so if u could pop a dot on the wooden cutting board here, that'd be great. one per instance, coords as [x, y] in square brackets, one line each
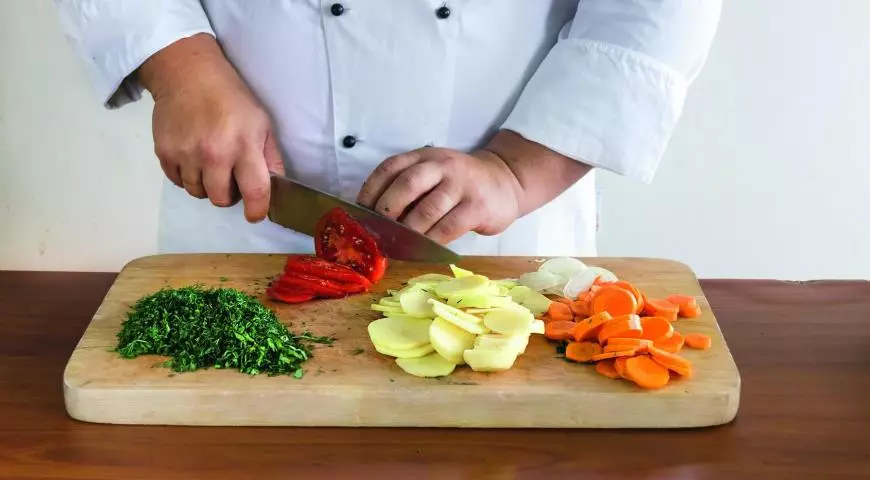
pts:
[349, 384]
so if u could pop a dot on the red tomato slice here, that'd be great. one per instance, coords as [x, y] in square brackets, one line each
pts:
[341, 239]
[320, 286]
[288, 295]
[321, 268]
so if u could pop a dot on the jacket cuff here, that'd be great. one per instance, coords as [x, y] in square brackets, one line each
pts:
[601, 104]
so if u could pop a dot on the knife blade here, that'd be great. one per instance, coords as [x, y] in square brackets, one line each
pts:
[298, 207]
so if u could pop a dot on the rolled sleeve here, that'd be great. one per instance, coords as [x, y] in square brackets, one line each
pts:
[114, 37]
[612, 89]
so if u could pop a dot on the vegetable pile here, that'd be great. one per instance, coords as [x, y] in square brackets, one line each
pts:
[348, 261]
[202, 327]
[438, 322]
[603, 320]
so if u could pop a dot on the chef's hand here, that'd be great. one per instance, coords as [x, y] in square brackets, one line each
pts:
[445, 193]
[211, 135]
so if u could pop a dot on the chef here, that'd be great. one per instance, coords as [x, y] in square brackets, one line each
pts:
[480, 123]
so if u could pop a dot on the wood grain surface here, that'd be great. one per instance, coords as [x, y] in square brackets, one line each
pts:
[802, 349]
[346, 387]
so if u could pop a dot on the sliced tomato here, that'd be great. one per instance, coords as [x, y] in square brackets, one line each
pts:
[320, 286]
[341, 239]
[287, 294]
[321, 268]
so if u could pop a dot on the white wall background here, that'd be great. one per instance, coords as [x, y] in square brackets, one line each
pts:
[766, 176]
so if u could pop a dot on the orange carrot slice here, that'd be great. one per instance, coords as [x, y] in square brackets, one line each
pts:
[625, 326]
[614, 300]
[656, 328]
[619, 365]
[671, 345]
[671, 361]
[606, 368]
[582, 351]
[559, 312]
[634, 291]
[588, 329]
[642, 348]
[625, 353]
[559, 329]
[660, 308]
[631, 342]
[646, 373]
[580, 308]
[699, 341]
[687, 305]
[566, 301]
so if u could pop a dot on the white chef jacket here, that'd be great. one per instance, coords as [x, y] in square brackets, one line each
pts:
[600, 81]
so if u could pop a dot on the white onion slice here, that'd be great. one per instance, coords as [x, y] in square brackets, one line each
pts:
[582, 281]
[563, 267]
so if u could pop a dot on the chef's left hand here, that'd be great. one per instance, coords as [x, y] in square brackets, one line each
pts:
[446, 193]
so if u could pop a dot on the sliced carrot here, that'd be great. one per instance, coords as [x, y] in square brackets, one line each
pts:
[585, 296]
[580, 308]
[671, 361]
[546, 318]
[588, 328]
[699, 341]
[646, 373]
[566, 301]
[619, 365]
[614, 300]
[634, 291]
[606, 368]
[560, 312]
[631, 342]
[582, 351]
[642, 348]
[687, 305]
[559, 329]
[625, 353]
[656, 328]
[660, 308]
[624, 326]
[671, 345]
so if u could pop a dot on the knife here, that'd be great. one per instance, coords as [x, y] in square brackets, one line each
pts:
[298, 207]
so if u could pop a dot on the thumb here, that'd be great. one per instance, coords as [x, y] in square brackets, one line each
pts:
[274, 160]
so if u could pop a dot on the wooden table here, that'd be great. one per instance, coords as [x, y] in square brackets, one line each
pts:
[803, 350]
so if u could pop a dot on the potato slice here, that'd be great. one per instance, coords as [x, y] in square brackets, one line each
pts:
[449, 340]
[460, 272]
[497, 341]
[398, 333]
[509, 321]
[463, 320]
[537, 327]
[430, 279]
[416, 303]
[431, 365]
[490, 359]
[469, 285]
[386, 309]
[405, 352]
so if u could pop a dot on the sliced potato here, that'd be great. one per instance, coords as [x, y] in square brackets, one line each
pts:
[509, 321]
[469, 301]
[537, 327]
[399, 332]
[463, 320]
[460, 272]
[431, 365]
[519, 293]
[416, 303]
[449, 340]
[539, 280]
[430, 279]
[496, 341]
[508, 283]
[490, 359]
[385, 308]
[390, 302]
[469, 285]
[405, 352]
[536, 303]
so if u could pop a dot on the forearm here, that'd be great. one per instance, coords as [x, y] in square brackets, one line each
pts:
[541, 173]
[195, 61]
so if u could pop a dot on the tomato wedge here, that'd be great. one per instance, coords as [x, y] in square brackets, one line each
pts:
[321, 268]
[286, 294]
[341, 239]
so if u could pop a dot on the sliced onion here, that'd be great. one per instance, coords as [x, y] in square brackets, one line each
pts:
[563, 267]
[539, 280]
[582, 281]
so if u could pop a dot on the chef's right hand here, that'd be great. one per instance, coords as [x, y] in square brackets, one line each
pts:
[211, 135]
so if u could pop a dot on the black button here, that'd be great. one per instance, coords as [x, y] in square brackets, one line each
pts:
[442, 12]
[348, 141]
[336, 9]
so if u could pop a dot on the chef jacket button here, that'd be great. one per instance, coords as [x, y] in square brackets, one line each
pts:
[336, 9]
[349, 141]
[442, 12]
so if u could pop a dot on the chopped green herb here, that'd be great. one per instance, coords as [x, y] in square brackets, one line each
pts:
[224, 279]
[202, 327]
[357, 351]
